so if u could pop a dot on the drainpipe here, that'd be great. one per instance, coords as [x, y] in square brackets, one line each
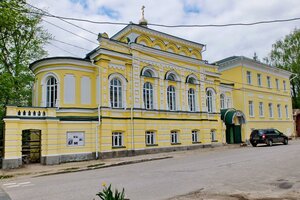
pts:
[244, 94]
[99, 104]
[131, 109]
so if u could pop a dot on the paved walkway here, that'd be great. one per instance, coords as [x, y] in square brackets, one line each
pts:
[42, 170]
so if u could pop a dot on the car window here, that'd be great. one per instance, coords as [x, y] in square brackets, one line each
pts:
[277, 132]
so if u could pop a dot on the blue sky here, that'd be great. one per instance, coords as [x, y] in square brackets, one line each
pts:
[221, 42]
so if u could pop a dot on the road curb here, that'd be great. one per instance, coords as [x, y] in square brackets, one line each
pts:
[106, 166]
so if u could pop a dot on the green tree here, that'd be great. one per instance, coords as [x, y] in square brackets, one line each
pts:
[21, 41]
[285, 54]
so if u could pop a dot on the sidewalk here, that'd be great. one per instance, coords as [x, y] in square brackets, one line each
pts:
[34, 170]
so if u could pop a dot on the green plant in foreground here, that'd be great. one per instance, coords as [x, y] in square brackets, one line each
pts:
[108, 194]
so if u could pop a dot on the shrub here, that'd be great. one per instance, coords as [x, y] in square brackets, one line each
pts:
[108, 194]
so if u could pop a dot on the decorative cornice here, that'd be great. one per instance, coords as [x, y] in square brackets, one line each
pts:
[150, 32]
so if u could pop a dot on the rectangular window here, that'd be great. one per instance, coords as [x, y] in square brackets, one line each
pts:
[174, 137]
[150, 137]
[75, 138]
[195, 136]
[249, 81]
[251, 109]
[277, 83]
[286, 111]
[279, 110]
[284, 85]
[269, 81]
[213, 136]
[261, 109]
[270, 110]
[259, 79]
[228, 102]
[117, 139]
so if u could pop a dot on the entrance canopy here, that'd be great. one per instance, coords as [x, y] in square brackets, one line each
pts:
[233, 116]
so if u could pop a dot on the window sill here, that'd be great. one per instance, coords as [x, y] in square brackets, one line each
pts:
[196, 142]
[119, 147]
[214, 141]
[178, 143]
[151, 145]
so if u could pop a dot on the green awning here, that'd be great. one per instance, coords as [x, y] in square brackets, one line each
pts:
[228, 116]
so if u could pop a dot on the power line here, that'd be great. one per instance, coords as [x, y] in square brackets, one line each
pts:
[70, 44]
[162, 25]
[63, 49]
[49, 14]
[70, 32]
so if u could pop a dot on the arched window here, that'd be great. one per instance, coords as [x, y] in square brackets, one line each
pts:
[51, 89]
[210, 102]
[171, 97]
[222, 101]
[171, 77]
[191, 80]
[148, 73]
[148, 95]
[116, 93]
[191, 99]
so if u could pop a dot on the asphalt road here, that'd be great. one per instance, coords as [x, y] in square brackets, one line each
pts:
[256, 172]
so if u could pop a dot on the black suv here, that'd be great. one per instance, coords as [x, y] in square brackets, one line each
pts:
[267, 136]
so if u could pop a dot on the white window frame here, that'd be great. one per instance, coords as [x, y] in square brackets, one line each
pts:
[213, 135]
[44, 89]
[171, 97]
[195, 136]
[50, 90]
[277, 83]
[192, 100]
[148, 96]
[228, 102]
[259, 79]
[121, 78]
[117, 139]
[284, 85]
[286, 111]
[174, 137]
[249, 77]
[222, 101]
[150, 137]
[116, 93]
[210, 100]
[251, 109]
[261, 109]
[269, 82]
[279, 111]
[271, 113]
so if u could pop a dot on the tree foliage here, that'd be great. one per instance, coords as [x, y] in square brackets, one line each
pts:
[285, 54]
[21, 41]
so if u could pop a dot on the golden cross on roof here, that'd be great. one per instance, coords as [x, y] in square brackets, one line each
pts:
[143, 11]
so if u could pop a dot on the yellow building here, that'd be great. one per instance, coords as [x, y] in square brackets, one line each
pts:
[260, 92]
[140, 91]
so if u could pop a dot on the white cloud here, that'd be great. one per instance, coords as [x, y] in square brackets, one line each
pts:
[221, 42]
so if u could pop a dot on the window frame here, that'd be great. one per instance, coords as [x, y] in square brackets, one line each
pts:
[269, 85]
[148, 96]
[150, 138]
[271, 112]
[279, 111]
[259, 83]
[213, 136]
[286, 111]
[249, 77]
[277, 83]
[171, 98]
[261, 109]
[174, 137]
[251, 108]
[222, 101]
[51, 89]
[118, 137]
[195, 136]
[116, 93]
[192, 100]
[210, 100]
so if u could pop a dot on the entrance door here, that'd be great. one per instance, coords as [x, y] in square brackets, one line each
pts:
[237, 134]
[31, 146]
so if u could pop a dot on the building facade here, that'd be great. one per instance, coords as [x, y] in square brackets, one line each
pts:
[141, 91]
[261, 92]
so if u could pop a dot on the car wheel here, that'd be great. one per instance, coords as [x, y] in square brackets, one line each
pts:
[285, 141]
[270, 143]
